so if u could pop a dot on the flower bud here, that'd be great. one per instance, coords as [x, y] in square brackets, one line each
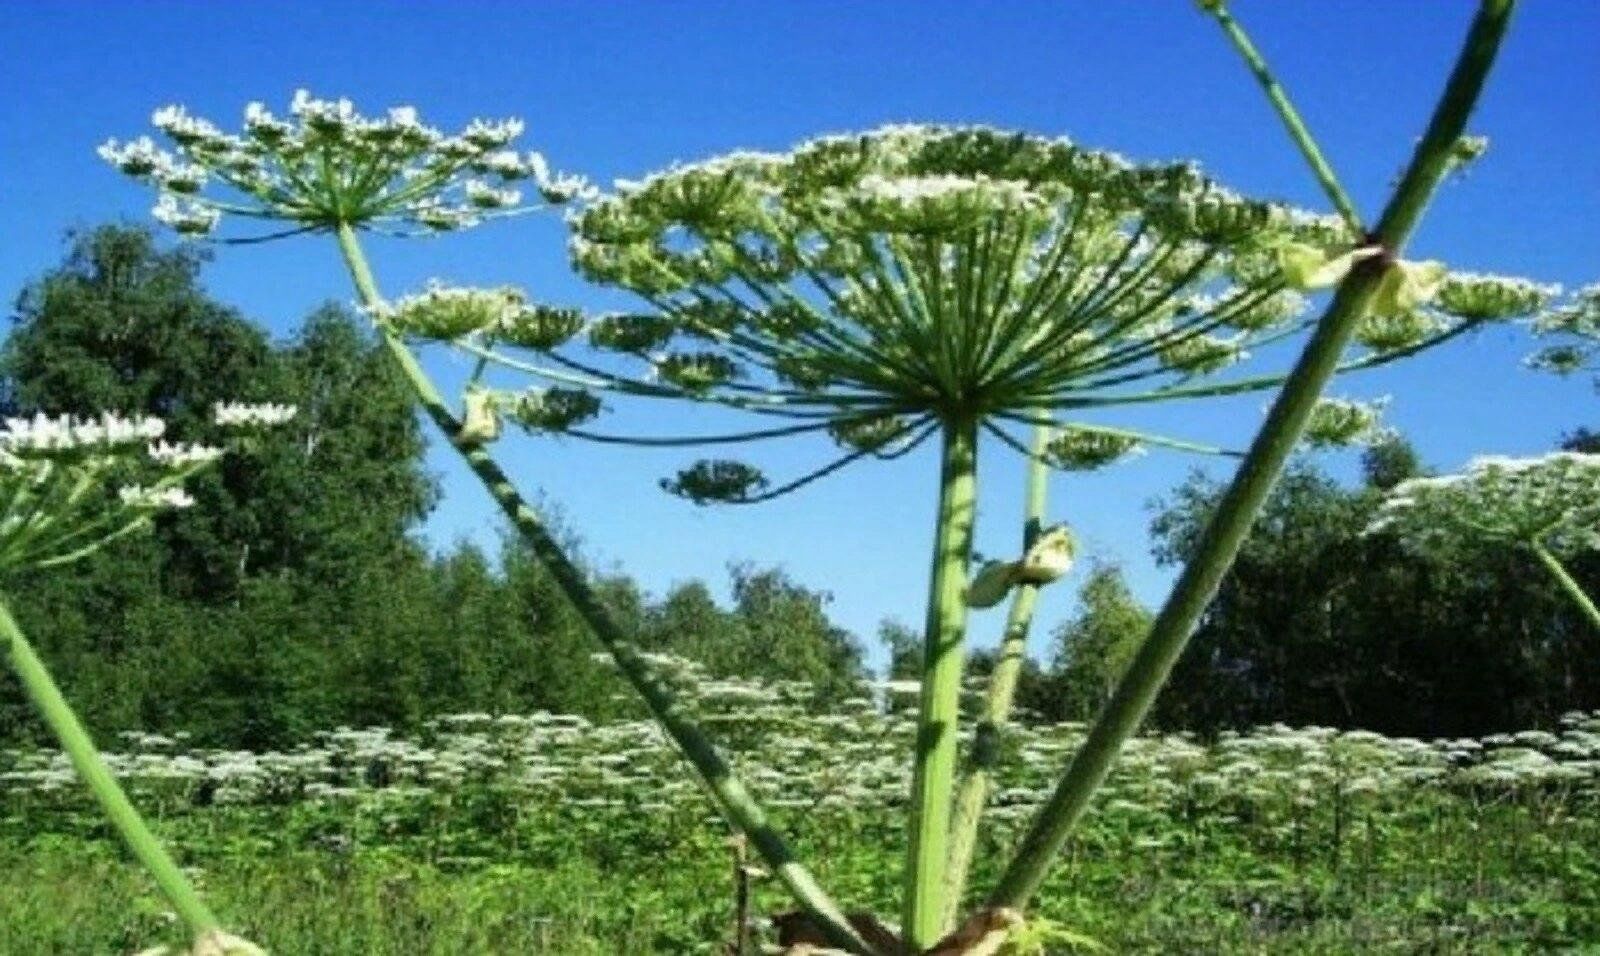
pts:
[1307, 267]
[991, 584]
[480, 421]
[1049, 559]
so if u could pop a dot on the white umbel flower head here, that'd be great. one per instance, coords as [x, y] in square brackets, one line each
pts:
[69, 485]
[66, 434]
[1342, 422]
[1574, 329]
[326, 165]
[1553, 500]
[935, 274]
[154, 499]
[243, 415]
[180, 455]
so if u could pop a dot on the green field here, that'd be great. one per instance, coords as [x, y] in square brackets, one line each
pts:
[551, 834]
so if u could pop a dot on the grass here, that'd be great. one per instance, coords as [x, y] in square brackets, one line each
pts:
[1445, 875]
[549, 834]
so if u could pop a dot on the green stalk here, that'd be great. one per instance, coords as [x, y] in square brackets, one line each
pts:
[46, 696]
[1257, 473]
[1286, 111]
[736, 803]
[1568, 583]
[973, 794]
[939, 712]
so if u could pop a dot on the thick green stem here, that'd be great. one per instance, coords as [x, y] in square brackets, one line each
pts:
[1257, 473]
[1568, 583]
[86, 759]
[736, 803]
[1291, 117]
[973, 794]
[939, 713]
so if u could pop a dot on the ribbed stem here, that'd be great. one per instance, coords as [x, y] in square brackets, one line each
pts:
[737, 804]
[58, 714]
[1568, 583]
[939, 712]
[1242, 501]
[973, 794]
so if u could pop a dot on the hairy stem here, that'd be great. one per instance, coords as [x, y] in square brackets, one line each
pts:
[973, 794]
[80, 749]
[736, 803]
[1257, 473]
[939, 711]
[1568, 583]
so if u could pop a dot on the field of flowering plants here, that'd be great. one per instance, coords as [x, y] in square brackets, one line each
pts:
[488, 831]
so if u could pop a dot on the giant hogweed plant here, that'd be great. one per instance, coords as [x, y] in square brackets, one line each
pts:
[328, 169]
[68, 488]
[909, 284]
[1549, 507]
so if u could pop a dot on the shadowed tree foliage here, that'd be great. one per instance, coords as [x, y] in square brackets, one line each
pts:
[1092, 648]
[237, 618]
[293, 598]
[1321, 623]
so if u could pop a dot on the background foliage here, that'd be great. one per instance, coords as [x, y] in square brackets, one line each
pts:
[294, 596]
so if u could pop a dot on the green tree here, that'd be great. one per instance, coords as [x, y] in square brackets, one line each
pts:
[556, 667]
[244, 619]
[789, 635]
[1092, 648]
[776, 630]
[903, 645]
[1321, 623]
[1389, 461]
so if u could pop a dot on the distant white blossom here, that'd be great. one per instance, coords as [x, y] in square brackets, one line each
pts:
[154, 499]
[181, 454]
[239, 414]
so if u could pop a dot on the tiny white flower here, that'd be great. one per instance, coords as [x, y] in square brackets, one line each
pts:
[180, 455]
[239, 414]
[154, 499]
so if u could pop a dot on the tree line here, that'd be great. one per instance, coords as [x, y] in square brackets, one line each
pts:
[296, 595]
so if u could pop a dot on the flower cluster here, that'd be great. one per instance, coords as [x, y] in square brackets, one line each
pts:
[1076, 448]
[71, 485]
[241, 415]
[717, 480]
[1576, 327]
[447, 313]
[67, 435]
[851, 758]
[1552, 501]
[929, 274]
[327, 165]
[1340, 422]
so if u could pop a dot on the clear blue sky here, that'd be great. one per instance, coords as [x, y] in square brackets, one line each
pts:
[620, 88]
